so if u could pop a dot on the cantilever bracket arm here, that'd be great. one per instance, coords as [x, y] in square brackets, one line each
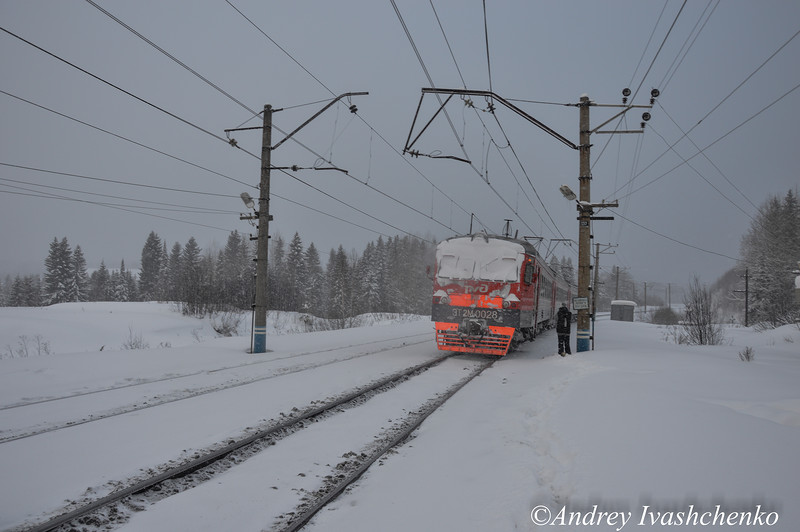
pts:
[304, 124]
[523, 114]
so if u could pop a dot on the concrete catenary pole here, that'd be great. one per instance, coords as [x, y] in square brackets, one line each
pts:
[262, 253]
[584, 229]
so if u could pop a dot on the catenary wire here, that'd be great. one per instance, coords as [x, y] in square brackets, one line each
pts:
[633, 96]
[718, 105]
[785, 94]
[117, 87]
[678, 241]
[707, 158]
[649, 40]
[486, 39]
[107, 132]
[101, 204]
[106, 180]
[198, 210]
[492, 141]
[372, 129]
[430, 80]
[704, 178]
[204, 79]
[662, 85]
[658, 52]
[150, 148]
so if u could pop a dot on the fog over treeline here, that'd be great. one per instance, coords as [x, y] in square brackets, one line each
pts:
[387, 276]
[390, 275]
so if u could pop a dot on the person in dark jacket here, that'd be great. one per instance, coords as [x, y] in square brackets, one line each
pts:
[563, 324]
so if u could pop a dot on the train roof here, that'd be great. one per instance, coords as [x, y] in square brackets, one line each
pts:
[527, 247]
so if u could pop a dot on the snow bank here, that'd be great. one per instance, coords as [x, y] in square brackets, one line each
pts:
[637, 427]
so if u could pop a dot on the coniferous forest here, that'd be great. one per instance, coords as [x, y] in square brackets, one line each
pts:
[387, 276]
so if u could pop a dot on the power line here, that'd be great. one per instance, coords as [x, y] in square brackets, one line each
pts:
[430, 80]
[492, 141]
[127, 183]
[717, 107]
[347, 204]
[107, 132]
[101, 204]
[486, 39]
[167, 54]
[193, 209]
[676, 240]
[707, 158]
[649, 40]
[280, 47]
[701, 175]
[158, 151]
[667, 76]
[372, 129]
[117, 87]
[713, 143]
[540, 102]
[658, 52]
[331, 215]
[633, 97]
[441, 27]
[207, 81]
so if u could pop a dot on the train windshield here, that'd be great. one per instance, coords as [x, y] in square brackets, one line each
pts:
[479, 260]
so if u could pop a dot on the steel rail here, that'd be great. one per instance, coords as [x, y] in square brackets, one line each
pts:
[302, 519]
[136, 407]
[214, 456]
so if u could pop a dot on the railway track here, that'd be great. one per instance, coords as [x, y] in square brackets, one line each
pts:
[116, 508]
[182, 394]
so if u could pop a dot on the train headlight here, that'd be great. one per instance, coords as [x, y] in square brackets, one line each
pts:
[444, 300]
[511, 301]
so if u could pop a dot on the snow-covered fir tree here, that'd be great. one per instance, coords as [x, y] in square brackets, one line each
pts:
[770, 251]
[119, 284]
[190, 277]
[81, 276]
[150, 273]
[99, 284]
[314, 299]
[172, 291]
[295, 274]
[59, 276]
[276, 287]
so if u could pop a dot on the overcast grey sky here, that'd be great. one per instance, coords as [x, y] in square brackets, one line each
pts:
[291, 53]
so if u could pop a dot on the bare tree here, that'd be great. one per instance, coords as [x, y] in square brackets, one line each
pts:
[700, 322]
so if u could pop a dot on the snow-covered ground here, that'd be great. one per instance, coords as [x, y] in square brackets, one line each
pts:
[637, 434]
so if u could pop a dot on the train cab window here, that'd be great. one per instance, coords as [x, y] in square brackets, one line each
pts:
[499, 269]
[454, 267]
[528, 277]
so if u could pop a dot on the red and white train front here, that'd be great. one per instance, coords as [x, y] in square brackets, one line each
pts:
[485, 293]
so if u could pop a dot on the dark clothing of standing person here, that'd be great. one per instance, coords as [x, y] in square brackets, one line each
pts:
[563, 324]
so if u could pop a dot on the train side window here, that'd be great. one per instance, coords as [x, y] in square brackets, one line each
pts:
[528, 277]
